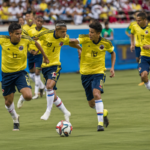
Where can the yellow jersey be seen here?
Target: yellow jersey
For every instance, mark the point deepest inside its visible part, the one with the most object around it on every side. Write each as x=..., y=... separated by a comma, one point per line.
x=52, y=46
x=137, y=40
x=26, y=27
x=144, y=35
x=34, y=33
x=93, y=55
x=3, y=16
x=14, y=56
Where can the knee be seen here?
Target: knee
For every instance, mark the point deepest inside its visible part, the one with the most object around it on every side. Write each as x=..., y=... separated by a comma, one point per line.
x=92, y=105
x=49, y=86
x=8, y=102
x=27, y=96
x=144, y=75
x=97, y=96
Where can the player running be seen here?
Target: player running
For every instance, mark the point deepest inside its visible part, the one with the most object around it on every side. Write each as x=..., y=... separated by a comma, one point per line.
x=135, y=42
x=142, y=29
x=14, y=60
x=92, y=66
x=35, y=61
x=53, y=40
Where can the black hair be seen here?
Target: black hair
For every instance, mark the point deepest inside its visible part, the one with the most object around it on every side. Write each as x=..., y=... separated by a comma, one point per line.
x=138, y=11
x=96, y=26
x=142, y=15
x=13, y=26
x=28, y=12
x=39, y=17
x=106, y=23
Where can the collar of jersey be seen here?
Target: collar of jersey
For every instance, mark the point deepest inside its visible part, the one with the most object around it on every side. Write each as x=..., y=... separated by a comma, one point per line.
x=144, y=27
x=38, y=30
x=55, y=36
x=98, y=41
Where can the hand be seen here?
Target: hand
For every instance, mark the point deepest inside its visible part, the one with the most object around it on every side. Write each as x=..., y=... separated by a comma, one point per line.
x=46, y=60
x=35, y=38
x=112, y=72
x=132, y=47
x=79, y=53
x=33, y=52
x=146, y=46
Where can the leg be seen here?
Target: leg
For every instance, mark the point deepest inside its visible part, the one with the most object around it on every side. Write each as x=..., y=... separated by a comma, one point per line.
x=59, y=104
x=9, y=104
x=32, y=73
x=50, y=98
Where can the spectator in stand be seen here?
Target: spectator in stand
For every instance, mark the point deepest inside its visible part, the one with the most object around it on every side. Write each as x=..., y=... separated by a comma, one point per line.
x=70, y=11
x=43, y=5
x=78, y=15
x=35, y=7
x=112, y=12
x=28, y=8
x=96, y=11
x=19, y=9
x=136, y=6
x=94, y=2
x=4, y=12
x=64, y=3
x=107, y=33
x=13, y=12
x=104, y=11
x=14, y=1
x=146, y=5
x=88, y=14
x=47, y=13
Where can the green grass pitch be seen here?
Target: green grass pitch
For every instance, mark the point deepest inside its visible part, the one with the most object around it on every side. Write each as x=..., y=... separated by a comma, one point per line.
x=129, y=110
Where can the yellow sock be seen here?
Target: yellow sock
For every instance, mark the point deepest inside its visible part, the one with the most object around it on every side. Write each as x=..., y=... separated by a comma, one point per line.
x=100, y=123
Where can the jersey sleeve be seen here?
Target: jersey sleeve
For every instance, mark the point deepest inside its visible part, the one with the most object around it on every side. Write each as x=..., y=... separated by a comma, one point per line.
x=83, y=38
x=128, y=30
x=66, y=41
x=2, y=38
x=109, y=47
x=132, y=30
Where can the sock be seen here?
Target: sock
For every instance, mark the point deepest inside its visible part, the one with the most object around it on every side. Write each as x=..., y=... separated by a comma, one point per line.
x=21, y=98
x=41, y=84
x=147, y=85
x=11, y=110
x=50, y=99
x=59, y=104
x=32, y=76
x=99, y=109
x=37, y=84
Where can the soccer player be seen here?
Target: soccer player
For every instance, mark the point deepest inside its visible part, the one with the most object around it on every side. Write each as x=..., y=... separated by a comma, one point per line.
x=36, y=59
x=143, y=31
x=53, y=40
x=14, y=60
x=21, y=21
x=92, y=66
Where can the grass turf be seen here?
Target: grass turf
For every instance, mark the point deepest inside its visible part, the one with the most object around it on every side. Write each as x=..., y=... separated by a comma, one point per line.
x=127, y=103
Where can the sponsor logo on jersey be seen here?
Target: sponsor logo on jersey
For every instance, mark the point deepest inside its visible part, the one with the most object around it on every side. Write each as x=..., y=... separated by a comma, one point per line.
x=21, y=48
x=61, y=44
x=146, y=32
x=101, y=47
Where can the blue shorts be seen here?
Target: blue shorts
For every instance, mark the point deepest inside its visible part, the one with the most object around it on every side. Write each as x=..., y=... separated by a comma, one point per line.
x=10, y=80
x=52, y=73
x=37, y=60
x=91, y=82
x=137, y=51
x=144, y=64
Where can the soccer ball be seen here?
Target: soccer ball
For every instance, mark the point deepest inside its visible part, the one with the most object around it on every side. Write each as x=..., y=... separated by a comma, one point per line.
x=64, y=128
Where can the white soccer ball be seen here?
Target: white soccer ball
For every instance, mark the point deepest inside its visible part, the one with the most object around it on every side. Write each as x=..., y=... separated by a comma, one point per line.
x=64, y=128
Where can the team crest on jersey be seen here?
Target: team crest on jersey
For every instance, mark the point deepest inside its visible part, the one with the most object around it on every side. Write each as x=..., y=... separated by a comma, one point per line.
x=101, y=47
x=146, y=32
x=139, y=68
x=21, y=48
x=3, y=90
x=61, y=44
x=54, y=74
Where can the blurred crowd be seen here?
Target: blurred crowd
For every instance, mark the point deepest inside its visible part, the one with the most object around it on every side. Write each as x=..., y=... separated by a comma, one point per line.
x=73, y=11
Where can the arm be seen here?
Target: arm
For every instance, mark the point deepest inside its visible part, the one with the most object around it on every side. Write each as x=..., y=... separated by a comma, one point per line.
x=41, y=49
x=111, y=37
x=127, y=32
x=132, y=47
x=75, y=44
x=113, y=58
